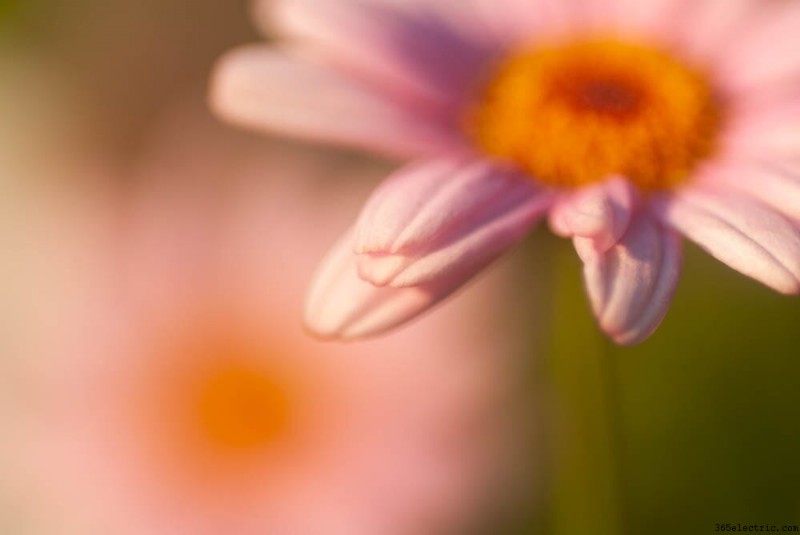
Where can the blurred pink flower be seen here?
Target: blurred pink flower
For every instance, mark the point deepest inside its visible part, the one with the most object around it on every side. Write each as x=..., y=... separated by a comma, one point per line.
x=616, y=118
x=184, y=398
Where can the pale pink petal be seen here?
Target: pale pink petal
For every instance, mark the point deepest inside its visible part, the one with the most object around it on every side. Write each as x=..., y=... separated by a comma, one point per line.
x=764, y=130
x=342, y=305
x=597, y=214
x=406, y=49
x=521, y=21
x=654, y=17
x=266, y=89
x=768, y=54
x=705, y=29
x=446, y=216
x=630, y=286
x=743, y=233
x=587, y=15
x=774, y=184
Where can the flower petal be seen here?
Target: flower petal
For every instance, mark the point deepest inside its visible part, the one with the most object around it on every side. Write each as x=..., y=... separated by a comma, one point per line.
x=446, y=216
x=270, y=90
x=775, y=184
x=630, y=286
x=521, y=20
x=644, y=18
x=767, y=54
x=600, y=213
x=407, y=49
x=744, y=234
x=341, y=305
x=764, y=131
x=714, y=24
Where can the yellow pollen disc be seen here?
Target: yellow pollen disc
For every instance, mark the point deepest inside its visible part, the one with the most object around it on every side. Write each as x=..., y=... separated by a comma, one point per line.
x=581, y=112
x=239, y=407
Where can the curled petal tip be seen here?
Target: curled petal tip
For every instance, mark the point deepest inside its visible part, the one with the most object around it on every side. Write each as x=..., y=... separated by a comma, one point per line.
x=436, y=220
x=380, y=269
x=631, y=285
x=340, y=305
x=628, y=340
x=789, y=288
x=598, y=213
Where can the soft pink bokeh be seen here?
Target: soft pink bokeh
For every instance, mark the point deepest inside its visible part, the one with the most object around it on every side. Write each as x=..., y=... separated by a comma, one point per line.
x=218, y=232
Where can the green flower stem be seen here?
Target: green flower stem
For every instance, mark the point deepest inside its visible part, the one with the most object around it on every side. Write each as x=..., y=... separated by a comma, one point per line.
x=587, y=480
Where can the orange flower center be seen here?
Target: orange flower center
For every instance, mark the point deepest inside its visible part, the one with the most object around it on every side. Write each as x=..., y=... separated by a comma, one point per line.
x=223, y=398
x=240, y=408
x=581, y=112
x=215, y=402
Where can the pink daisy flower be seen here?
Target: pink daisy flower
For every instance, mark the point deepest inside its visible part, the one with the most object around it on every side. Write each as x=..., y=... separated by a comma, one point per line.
x=625, y=123
x=178, y=393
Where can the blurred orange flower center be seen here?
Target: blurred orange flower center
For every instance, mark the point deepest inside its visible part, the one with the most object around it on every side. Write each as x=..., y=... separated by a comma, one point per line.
x=241, y=408
x=579, y=113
